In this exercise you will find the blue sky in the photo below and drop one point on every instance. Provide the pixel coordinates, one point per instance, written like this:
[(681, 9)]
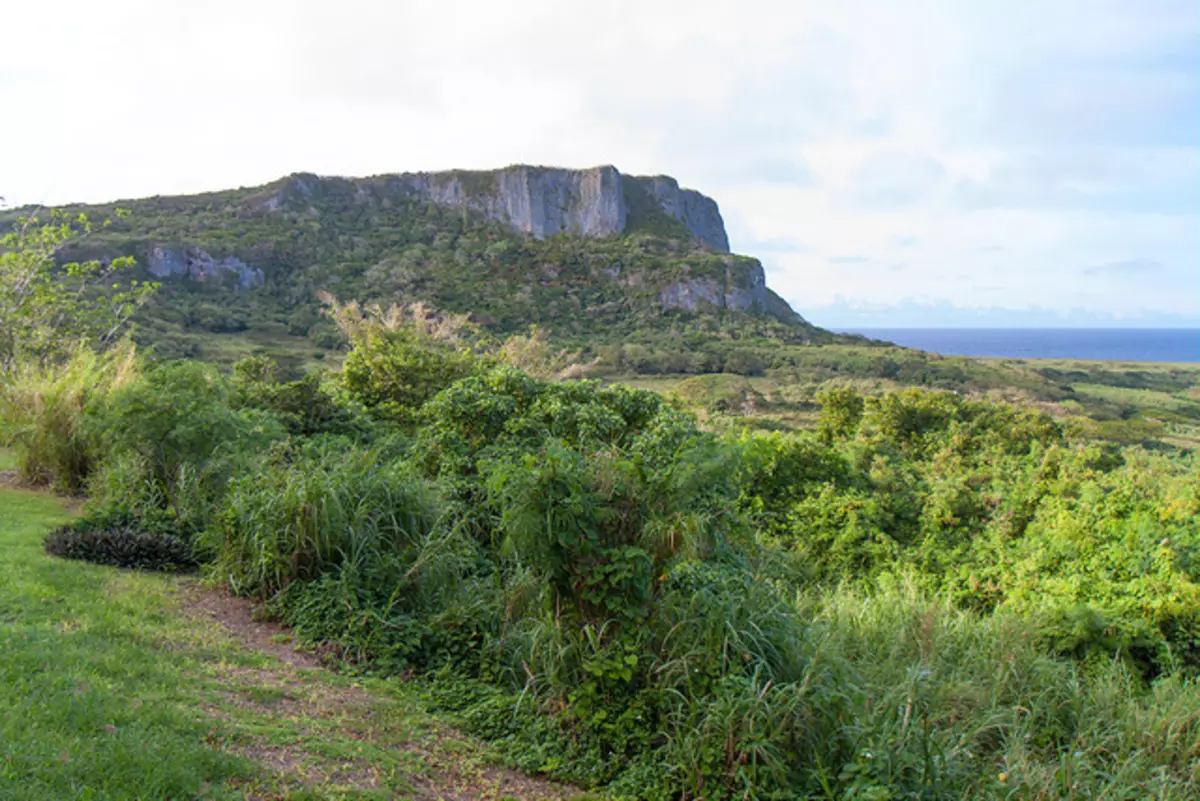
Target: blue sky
[(931, 160)]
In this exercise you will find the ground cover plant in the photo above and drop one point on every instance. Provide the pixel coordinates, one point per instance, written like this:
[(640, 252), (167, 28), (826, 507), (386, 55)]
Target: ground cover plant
[(122, 684), (925, 596)]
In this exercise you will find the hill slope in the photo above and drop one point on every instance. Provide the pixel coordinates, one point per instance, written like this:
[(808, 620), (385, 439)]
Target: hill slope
[(594, 256)]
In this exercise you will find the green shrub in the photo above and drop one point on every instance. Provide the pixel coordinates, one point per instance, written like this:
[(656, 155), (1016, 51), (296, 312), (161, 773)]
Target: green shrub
[(123, 540), (315, 508), (43, 415), (393, 373), (303, 406), (178, 420)]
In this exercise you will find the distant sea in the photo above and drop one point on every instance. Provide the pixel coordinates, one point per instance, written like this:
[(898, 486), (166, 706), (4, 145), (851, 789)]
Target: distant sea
[(1114, 344)]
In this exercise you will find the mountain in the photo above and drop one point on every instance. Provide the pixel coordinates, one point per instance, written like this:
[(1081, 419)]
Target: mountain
[(594, 256)]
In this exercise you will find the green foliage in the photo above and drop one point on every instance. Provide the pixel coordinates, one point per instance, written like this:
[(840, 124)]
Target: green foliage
[(120, 541), (43, 415), (841, 412), (314, 508), (930, 596), (177, 419), (718, 393), (304, 406), (601, 529), (392, 373), (48, 308), (985, 504)]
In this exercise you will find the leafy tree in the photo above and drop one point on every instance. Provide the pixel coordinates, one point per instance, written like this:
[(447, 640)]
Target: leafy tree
[(841, 412), (178, 420), (46, 308)]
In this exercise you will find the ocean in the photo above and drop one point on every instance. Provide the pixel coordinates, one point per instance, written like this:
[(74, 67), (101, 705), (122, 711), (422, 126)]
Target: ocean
[(1111, 344)]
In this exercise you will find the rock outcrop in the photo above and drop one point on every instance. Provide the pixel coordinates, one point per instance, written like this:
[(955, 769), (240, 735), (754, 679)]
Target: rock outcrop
[(699, 213), (543, 201), (163, 262), (742, 288), (534, 200)]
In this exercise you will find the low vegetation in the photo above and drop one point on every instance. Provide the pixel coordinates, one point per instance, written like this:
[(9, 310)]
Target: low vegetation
[(925, 596), (132, 685), (923, 593)]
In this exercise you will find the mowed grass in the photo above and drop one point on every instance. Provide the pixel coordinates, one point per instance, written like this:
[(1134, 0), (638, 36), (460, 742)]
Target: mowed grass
[(112, 691), (92, 707)]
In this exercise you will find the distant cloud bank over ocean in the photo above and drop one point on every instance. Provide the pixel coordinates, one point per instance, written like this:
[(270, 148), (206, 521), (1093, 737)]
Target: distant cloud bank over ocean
[(1111, 344), (850, 315)]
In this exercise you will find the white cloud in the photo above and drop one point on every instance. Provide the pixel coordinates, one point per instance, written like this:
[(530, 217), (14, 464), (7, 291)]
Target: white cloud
[(998, 150)]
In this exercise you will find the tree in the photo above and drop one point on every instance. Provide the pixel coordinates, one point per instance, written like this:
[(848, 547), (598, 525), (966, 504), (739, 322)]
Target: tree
[(841, 412), (48, 308)]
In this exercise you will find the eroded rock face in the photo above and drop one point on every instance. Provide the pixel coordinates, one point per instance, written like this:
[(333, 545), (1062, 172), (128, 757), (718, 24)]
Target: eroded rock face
[(164, 262), (537, 201), (543, 201), (744, 288), (698, 212)]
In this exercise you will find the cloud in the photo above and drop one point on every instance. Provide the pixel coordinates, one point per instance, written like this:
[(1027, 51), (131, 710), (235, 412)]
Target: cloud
[(848, 259), (1133, 180), (894, 179), (734, 170), (848, 314), (1127, 268), (932, 133), (775, 244)]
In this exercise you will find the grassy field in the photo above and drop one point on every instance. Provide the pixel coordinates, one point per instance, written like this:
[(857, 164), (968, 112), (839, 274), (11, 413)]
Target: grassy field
[(114, 690), (1125, 401)]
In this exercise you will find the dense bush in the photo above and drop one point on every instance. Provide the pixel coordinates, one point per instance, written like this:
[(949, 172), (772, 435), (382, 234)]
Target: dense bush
[(393, 373), (122, 540), (305, 406), (177, 420), (987, 505), (44, 415), (317, 507), (927, 597)]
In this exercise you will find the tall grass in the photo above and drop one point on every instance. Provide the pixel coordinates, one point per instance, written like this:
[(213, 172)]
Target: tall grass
[(43, 409), (327, 506), (944, 701)]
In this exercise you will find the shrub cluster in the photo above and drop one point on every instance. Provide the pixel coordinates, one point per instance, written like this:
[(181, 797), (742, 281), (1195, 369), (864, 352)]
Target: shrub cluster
[(121, 540), (926, 597)]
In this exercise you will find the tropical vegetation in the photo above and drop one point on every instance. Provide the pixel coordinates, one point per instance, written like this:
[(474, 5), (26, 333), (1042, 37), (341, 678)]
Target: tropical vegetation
[(924, 594)]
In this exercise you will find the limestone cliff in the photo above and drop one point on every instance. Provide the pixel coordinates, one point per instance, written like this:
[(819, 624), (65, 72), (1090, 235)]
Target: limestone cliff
[(543, 201), (699, 213), (163, 262), (536, 201), (742, 287)]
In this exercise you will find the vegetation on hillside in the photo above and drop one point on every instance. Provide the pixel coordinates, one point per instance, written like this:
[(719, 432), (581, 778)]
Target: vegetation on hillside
[(367, 239), (925, 596), (980, 586)]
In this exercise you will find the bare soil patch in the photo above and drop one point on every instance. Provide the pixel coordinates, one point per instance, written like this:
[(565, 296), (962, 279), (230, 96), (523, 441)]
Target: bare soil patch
[(307, 713)]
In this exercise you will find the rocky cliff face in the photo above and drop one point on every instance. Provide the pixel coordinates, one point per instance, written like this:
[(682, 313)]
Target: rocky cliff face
[(742, 288), (696, 211), (163, 262), (536, 201), (543, 201)]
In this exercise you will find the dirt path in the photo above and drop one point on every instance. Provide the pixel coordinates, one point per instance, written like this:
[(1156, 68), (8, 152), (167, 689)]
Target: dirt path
[(316, 731)]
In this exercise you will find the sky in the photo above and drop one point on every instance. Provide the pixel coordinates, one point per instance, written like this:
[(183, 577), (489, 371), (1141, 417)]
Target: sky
[(916, 162)]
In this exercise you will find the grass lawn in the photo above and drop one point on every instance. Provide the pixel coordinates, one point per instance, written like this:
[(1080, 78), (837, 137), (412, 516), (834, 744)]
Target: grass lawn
[(112, 691)]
